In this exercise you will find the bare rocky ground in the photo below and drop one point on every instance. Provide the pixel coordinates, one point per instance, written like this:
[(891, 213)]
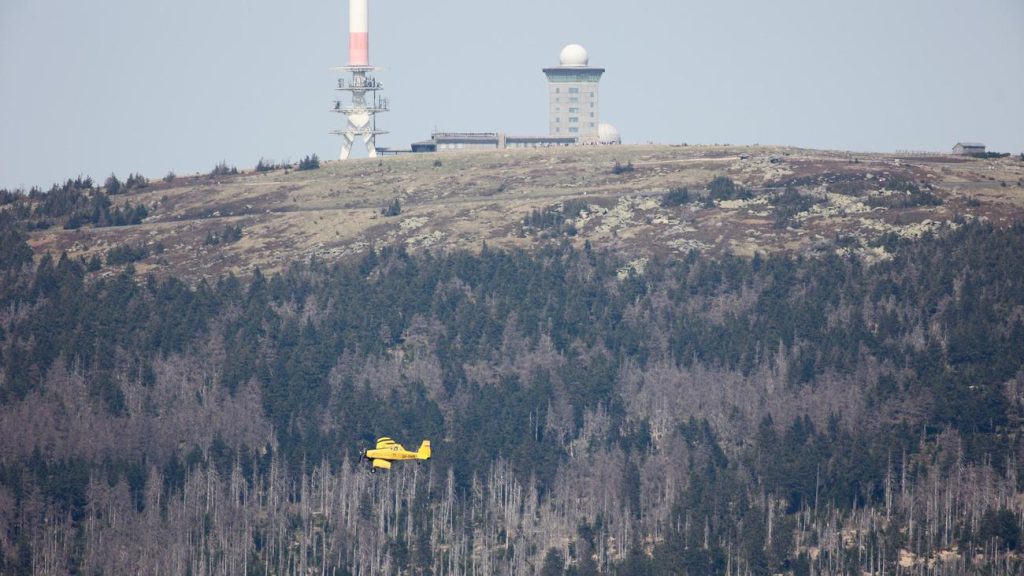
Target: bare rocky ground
[(460, 201)]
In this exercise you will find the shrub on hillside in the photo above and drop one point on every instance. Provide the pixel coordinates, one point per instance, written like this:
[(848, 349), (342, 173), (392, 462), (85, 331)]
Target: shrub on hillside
[(790, 203), (675, 197), (620, 169), (903, 194), (126, 254), (392, 209), (227, 236), (723, 188)]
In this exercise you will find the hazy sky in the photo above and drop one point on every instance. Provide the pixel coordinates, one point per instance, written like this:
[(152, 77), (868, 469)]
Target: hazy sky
[(143, 86)]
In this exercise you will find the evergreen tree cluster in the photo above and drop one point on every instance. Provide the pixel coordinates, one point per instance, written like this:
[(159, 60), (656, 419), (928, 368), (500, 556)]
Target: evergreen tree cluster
[(114, 186), (265, 165), (520, 367), (223, 169), (311, 162), (78, 202), (9, 196), (555, 221), (14, 250)]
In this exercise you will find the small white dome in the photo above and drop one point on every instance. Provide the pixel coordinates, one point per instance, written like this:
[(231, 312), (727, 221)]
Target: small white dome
[(608, 134), (574, 55)]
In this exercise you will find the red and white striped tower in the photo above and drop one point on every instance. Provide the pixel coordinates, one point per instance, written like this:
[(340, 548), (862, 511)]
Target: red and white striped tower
[(358, 33), (365, 104)]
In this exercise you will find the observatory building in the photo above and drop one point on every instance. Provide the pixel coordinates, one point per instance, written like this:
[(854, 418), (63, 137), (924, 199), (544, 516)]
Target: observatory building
[(574, 116), (573, 98)]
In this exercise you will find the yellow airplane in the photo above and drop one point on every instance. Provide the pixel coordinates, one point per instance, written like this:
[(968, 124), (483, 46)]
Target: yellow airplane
[(388, 450)]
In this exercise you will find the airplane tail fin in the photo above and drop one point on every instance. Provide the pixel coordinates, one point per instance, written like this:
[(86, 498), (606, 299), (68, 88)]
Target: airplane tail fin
[(424, 452)]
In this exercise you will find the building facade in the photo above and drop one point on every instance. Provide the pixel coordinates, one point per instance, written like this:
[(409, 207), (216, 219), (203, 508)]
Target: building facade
[(573, 96), (460, 141), (968, 148)]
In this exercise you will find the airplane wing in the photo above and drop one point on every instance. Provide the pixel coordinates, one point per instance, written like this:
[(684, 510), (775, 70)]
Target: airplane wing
[(378, 463), (386, 443)]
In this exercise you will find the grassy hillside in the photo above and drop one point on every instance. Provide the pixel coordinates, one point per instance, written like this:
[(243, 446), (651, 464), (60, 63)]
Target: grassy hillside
[(842, 201)]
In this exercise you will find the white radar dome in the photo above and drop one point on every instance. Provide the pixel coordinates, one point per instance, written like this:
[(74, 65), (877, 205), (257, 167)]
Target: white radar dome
[(574, 55), (608, 134)]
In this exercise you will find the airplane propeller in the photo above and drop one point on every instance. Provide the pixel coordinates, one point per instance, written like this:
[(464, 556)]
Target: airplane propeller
[(362, 454)]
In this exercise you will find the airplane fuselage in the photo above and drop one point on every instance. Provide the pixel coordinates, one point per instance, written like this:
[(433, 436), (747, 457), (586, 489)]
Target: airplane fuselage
[(395, 452)]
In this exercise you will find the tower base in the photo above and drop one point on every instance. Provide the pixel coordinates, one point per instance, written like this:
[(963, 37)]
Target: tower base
[(361, 114), (349, 138)]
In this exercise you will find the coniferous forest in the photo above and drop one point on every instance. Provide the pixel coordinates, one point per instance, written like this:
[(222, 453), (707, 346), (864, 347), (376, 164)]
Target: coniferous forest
[(775, 414)]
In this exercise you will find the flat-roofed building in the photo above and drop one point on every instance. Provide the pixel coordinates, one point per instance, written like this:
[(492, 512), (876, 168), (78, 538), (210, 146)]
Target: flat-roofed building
[(968, 148), (465, 141), (539, 141), (456, 141)]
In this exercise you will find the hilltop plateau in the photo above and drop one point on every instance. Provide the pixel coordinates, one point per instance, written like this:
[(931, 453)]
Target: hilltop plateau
[(766, 199)]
